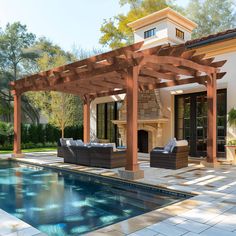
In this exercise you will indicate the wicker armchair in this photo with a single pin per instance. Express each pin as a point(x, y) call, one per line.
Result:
point(176, 159)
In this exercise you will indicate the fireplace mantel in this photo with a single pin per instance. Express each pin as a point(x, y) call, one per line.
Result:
point(145, 121)
point(154, 127)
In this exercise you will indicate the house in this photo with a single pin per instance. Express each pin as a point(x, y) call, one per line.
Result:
point(179, 111)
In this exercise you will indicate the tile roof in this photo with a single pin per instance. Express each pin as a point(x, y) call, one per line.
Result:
point(231, 33)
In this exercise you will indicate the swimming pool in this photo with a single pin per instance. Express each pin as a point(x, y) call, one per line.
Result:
point(63, 203)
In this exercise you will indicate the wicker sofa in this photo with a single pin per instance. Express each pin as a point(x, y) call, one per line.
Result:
point(175, 159)
point(95, 156)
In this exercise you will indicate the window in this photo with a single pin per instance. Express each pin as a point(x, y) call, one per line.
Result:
point(149, 33)
point(106, 112)
point(179, 34)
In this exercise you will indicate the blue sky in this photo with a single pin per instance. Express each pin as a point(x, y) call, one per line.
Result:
point(65, 22)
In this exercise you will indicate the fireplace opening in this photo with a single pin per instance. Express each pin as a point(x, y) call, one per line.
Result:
point(143, 141)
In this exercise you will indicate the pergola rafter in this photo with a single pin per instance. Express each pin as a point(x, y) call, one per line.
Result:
point(126, 70)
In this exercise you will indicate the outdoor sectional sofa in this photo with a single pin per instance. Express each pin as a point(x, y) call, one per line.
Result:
point(94, 155)
point(173, 159)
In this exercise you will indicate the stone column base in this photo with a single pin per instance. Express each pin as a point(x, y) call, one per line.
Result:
point(210, 164)
point(131, 175)
point(17, 155)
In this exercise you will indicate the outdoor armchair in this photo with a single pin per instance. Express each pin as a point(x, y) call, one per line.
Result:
point(174, 158)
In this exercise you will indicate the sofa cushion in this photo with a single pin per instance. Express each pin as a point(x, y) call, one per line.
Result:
point(70, 143)
point(170, 146)
point(181, 143)
point(63, 141)
point(79, 142)
point(113, 145)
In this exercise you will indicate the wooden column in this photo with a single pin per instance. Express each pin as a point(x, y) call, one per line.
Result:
point(212, 119)
point(86, 109)
point(132, 119)
point(17, 123)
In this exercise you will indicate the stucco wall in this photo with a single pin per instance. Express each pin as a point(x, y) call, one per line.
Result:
point(165, 33)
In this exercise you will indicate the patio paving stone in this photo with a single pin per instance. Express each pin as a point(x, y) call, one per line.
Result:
point(144, 232)
point(213, 231)
point(193, 226)
point(167, 229)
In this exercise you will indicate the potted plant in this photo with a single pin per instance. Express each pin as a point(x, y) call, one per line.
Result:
point(232, 117)
point(231, 144)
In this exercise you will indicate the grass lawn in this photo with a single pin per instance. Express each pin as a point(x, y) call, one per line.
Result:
point(31, 150)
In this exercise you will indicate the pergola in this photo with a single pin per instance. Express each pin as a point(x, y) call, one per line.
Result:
point(127, 70)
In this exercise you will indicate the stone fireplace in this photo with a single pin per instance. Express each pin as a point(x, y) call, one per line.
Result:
point(150, 121)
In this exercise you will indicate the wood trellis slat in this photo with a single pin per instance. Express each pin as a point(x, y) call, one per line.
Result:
point(105, 73)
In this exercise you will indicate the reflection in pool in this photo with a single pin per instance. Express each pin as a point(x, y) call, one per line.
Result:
point(62, 203)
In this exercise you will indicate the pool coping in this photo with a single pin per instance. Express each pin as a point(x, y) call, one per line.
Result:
point(146, 219)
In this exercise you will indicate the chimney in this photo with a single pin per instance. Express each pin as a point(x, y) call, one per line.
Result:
point(162, 27)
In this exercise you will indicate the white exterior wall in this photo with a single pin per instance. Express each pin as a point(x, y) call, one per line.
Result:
point(161, 32)
point(172, 32)
point(165, 33)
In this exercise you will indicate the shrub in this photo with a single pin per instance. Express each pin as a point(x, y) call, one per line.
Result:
point(38, 136)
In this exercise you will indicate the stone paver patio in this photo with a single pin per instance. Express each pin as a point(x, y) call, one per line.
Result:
point(211, 212)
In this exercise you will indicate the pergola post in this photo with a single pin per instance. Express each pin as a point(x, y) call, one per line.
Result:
point(17, 125)
point(132, 170)
point(86, 120)
point(212, 119)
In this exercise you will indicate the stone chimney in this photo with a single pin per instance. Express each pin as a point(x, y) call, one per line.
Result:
point(149, 106)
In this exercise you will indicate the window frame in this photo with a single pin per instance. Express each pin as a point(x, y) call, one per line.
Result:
point(107, 132)
point(179, 33)
point(149, 33)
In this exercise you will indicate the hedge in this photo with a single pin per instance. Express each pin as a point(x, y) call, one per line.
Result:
point(40, 135)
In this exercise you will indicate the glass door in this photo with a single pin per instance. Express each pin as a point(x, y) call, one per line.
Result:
point(201, 124)
point(191, 121)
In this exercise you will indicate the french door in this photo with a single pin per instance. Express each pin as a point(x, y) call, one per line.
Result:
point(191, 121)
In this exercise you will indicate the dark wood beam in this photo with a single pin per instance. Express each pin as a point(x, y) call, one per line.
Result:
point(177, 61)
point(155, 74)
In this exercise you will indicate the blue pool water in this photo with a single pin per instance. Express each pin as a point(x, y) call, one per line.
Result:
point(62, 203)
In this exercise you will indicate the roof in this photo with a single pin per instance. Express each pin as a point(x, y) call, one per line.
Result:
point(166, 13)
point(212, 38)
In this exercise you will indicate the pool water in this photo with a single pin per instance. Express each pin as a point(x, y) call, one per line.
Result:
point(62, 203)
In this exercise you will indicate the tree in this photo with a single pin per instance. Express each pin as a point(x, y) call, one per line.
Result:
point(116, 33)
point(65, 111)
point(6, 129)
point(15, 51)
point(212, 16)
point(61, 109)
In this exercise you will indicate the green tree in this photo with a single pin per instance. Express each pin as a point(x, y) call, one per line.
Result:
point(61, 109)
point(64, 111)
point(16, 50)
point(212, 16)
point(116, 33)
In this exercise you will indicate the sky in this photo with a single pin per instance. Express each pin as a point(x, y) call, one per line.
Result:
point(67, 23)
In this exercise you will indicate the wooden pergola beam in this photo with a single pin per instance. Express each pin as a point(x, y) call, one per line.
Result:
point(198, 79)
point(155, 74)
point(86, 120)
point(132, 119)
point(177, 61)
point(211, 119)
point(17, 123)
